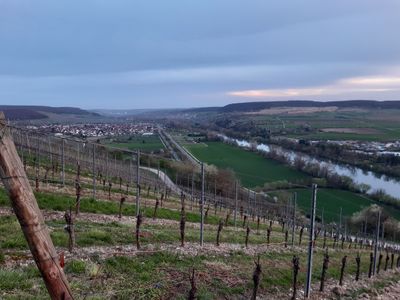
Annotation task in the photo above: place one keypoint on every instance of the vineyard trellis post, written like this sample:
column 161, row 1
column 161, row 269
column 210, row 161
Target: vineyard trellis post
column 322, row 218
column 310, row 242
column 294, row 216
column 340, row 222
column 192, row 196
column 378, row 221
column 202, row 206
column 94, row 170
column 137, row 183
column 236, row 203
column 63, row 162
column 30, row 217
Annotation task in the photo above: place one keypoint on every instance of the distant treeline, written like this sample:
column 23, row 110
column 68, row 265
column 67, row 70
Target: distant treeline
column 256, row 106
column 17, row 112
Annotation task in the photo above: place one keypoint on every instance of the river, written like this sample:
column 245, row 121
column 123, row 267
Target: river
column 390, row 185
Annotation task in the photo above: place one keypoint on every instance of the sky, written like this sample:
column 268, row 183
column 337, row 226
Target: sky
column 186, row 53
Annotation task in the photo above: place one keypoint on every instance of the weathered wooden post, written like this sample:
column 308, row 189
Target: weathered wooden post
column 30, row 217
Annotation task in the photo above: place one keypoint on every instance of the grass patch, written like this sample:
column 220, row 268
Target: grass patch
column 252, row 169
column 331, row 200
column 143, row 143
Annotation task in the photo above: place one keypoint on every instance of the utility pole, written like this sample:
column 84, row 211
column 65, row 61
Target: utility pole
column 202, row 206
column 311, row 241
column 378, row 223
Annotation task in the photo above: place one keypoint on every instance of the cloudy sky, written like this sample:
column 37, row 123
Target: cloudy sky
column 188, row 53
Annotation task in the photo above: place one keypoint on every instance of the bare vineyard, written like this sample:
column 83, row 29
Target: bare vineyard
column 150, row 183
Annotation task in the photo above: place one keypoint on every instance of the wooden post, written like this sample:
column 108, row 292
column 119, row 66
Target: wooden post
column 30, row 217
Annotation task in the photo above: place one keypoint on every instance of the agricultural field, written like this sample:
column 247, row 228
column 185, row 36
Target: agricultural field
column 342, row 124
column 252, row 169
column 149, row 143
column 331, row 200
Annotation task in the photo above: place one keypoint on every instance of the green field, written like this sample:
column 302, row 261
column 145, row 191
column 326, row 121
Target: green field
column 367, row 125
column 143, row 143
column 331, row 200
column 252, row 169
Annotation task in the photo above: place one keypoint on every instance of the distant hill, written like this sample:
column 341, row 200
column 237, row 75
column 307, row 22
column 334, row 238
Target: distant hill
column 256, row 106
column 22, row 112
column 203, row 109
